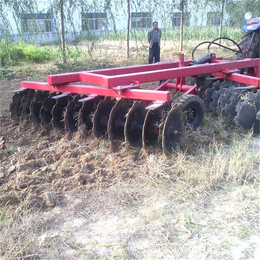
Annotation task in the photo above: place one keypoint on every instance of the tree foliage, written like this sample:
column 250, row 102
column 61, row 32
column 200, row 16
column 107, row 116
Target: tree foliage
column 233, row 15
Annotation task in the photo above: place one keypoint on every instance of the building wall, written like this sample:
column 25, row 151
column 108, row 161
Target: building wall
column 116, row 17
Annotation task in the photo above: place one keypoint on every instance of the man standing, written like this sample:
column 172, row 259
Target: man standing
column 154, row 39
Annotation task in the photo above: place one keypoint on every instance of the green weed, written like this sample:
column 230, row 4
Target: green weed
column 225, row 244
column 13, row 149
column 2, row 215
column 242, row 232
column 10, row 53
column 37, row 54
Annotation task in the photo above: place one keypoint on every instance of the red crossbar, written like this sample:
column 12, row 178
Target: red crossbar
column 139, row 94
column 245, row 79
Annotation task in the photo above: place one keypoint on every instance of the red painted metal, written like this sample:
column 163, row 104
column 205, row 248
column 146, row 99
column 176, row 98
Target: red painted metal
column 148, row 95
column 97, row 75
column 123, row 82
column 181, row 72
column 241, row 78
column 178, row 87
column 125, row 76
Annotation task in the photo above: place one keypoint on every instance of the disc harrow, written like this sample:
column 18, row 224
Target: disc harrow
column 112, row 104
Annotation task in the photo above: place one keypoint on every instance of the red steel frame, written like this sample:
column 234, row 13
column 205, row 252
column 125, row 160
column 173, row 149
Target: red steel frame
column 125, row 82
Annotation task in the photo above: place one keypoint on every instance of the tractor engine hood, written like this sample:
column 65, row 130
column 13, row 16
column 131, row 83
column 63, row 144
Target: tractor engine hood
column 251, row 24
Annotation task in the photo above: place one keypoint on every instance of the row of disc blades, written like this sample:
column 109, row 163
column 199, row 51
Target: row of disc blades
column 236, row 103
column 124, row 120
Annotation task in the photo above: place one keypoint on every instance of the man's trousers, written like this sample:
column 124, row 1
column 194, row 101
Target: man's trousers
column 154, row 53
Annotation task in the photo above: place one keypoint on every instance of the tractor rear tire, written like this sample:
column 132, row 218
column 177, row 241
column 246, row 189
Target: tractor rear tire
column 254, row 51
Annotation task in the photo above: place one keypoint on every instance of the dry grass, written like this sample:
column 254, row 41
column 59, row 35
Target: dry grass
column 149, row 205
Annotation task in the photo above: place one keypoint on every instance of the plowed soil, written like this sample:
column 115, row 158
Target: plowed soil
column 38, row 162
column 76, row 199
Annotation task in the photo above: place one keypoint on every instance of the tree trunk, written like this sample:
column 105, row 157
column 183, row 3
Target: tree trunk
column 62, row 32
column 181, row 25
column 127, row 29
column 221, row 20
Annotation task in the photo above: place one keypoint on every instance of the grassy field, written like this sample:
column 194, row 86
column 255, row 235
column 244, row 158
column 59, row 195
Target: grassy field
column 13, row 53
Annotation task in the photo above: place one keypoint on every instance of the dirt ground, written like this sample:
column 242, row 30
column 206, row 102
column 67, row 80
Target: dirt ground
column 70, row 197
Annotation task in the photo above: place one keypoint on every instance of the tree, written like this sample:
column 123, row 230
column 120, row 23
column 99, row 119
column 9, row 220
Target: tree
column 127, row 29
column 221, row 20
column 236, row 9
column 17, row 7
column 181, row 24
column 182, row 6
column 62, row 32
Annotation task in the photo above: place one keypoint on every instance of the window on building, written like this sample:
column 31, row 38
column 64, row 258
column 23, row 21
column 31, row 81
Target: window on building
column 36, row 22
column 213, row 19
column 141, row 20
column 176, row 19
column 94, row 21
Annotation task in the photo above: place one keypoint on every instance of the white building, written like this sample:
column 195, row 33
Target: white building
column 43, row 24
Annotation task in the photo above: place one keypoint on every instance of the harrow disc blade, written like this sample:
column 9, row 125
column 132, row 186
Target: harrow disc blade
column 36, row 106
column 153, row 123
column 151, row 127
column 58, row 111
column 16, row 103
column 230, row 109
column 117, row 120
column 209, row 93
column 224, row 100
column 46, row 110
column 25, row 104
column 87, row 111
column 134, row 123
column 101, row 115
column 172, row 131
column 71, row 114
column 194, row 108
column 247, row 112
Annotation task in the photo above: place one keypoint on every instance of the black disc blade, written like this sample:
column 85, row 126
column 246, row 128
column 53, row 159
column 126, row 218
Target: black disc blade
column 71, row 114
column 46, row 110
column 16, row 103
column 134, row 123
column 100, row 118
column 25, row 104
column 87, row 111
column 117, row 120
column 152, row 125
column 36, row 106
column 58, row 112
column 247, row 112
column 172, row 131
